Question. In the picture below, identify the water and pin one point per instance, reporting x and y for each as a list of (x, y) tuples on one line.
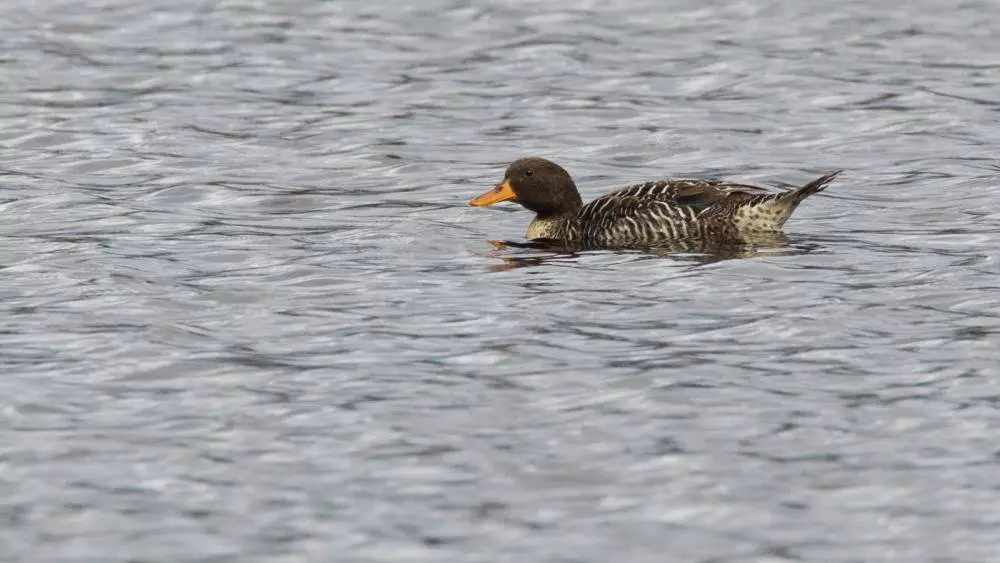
[(249, 316)]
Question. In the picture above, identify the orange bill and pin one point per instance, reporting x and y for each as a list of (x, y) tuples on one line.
[(503, 192)]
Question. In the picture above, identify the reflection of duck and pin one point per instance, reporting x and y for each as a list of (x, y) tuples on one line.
[(539, 253), (649, 214)]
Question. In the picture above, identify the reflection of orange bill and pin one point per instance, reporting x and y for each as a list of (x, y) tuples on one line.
[(503, 192)]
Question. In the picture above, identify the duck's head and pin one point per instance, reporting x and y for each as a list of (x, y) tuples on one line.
[(537, 184)]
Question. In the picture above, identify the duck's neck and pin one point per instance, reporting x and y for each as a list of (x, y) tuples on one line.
[(563, 228)]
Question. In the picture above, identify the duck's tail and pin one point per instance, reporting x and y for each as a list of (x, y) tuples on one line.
[(769, 213), (794, 197)]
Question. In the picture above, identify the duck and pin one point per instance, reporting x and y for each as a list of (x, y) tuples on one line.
[(644, 214)]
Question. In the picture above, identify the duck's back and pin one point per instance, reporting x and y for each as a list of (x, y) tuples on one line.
[(661, 211)]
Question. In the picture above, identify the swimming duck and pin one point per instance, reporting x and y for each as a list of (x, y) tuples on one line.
[(643, 214)]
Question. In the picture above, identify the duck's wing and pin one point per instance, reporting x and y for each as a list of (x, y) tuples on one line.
[(656, 210), (702, 194), (697, 194)]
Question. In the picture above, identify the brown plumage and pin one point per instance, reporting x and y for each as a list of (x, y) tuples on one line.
[(643, 214)]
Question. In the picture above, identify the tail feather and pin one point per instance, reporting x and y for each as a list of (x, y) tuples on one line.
[(768, 213), (795, 196)]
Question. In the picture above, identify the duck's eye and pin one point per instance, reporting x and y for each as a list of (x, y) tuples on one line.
[(529, 172)]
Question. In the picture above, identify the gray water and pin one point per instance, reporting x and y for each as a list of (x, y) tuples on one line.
[(248, 314)]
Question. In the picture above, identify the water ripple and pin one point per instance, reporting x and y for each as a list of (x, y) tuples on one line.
[(250, 315)]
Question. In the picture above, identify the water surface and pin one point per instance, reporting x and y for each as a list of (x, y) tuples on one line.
[(249, 315)]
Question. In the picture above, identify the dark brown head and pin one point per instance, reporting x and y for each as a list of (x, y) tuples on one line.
[(537, 184)]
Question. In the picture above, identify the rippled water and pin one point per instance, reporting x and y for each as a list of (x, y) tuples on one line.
[(248, 314)]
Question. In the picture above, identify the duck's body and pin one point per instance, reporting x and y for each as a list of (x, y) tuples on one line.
[(644, 214)]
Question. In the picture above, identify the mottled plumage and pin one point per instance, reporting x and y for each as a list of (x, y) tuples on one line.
[(644, 214)]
